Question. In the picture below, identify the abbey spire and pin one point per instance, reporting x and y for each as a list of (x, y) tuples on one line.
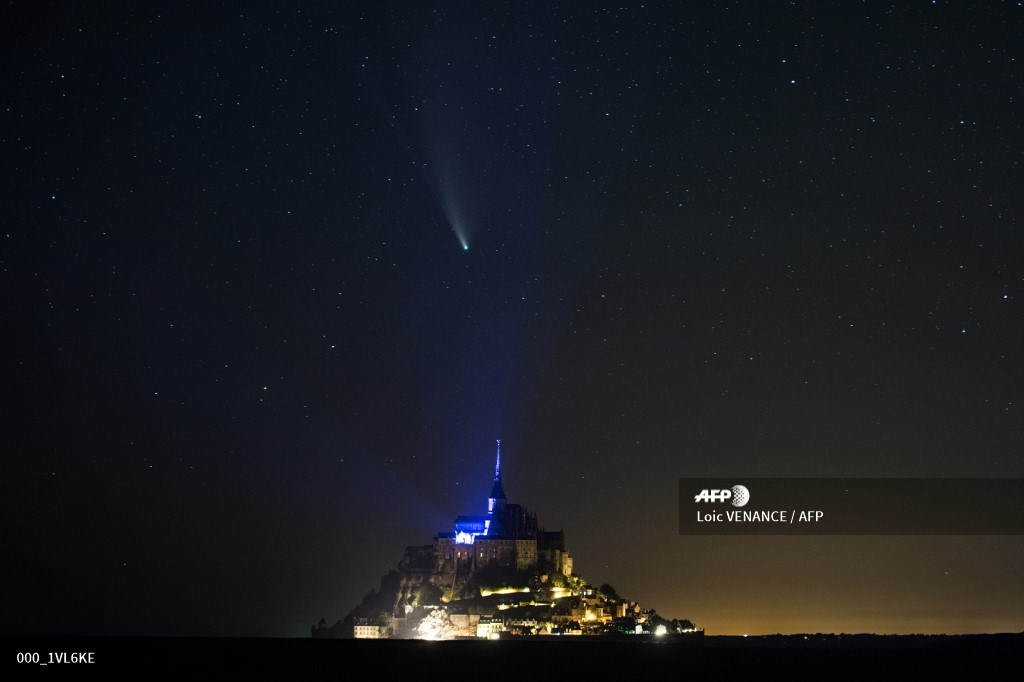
[(497, 498)]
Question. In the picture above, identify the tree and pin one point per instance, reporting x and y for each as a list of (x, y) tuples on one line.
[(574, 583), (427, 595), (437, 625), (608, 592)]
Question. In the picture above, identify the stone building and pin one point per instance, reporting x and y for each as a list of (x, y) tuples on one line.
[(366, 628), (507, 537)]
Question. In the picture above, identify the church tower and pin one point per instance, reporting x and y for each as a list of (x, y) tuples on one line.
[(497, 499)]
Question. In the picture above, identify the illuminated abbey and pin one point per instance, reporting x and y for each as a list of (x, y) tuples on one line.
[(506, 537)]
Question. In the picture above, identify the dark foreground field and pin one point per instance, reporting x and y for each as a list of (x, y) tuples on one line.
[(716, 658)]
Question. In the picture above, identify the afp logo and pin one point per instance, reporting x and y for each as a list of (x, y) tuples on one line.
[(738, 495)]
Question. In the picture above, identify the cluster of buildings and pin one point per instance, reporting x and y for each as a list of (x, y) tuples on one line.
[(585, 613)]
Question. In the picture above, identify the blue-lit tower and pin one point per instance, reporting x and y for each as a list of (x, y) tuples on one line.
[(497, 499)]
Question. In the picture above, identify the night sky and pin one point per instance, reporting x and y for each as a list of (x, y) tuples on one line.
[(247, 359)]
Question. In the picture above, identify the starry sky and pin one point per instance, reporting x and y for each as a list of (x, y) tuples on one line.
[(275, 277)]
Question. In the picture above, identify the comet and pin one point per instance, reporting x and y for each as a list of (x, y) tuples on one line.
[(452, 168), (447, 195)]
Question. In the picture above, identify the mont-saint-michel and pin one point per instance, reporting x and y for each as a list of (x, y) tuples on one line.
[(494, 575)]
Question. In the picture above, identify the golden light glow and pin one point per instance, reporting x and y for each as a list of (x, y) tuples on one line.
[(504, 590)]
